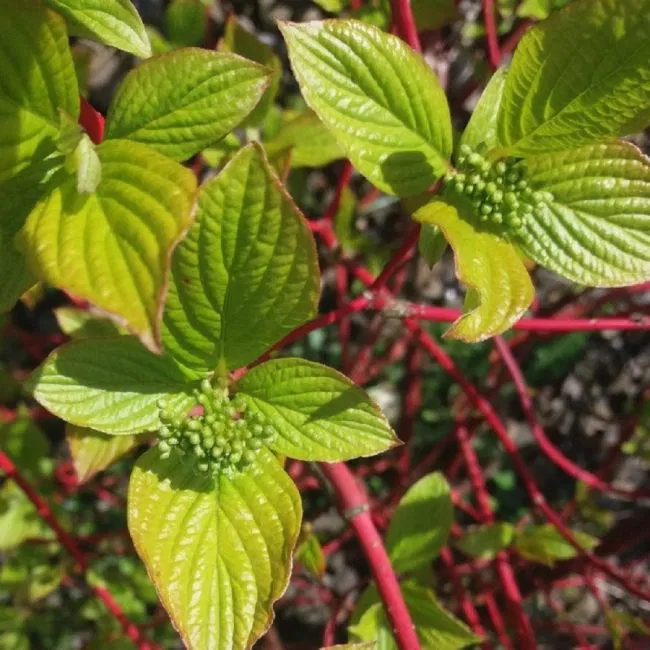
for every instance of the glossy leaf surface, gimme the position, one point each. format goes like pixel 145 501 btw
pixel 112 387
pixel 181 102
pixel 596 230
pixel 113 22
pixel 581 76
pixel 500 289
pixel 245 275
pixel 482 126
pixel 113 247
pixel 37 79
pixel 318 413
pixel 394 127
pixel 240 41
pixel 219 550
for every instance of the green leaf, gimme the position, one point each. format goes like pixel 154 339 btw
pixel 19 196
pixel 159 44
pixel 394 126
pixel 245 275
pixel 27 446
pixel 112 386
pixel 482 127
pixel 84 163
pixel 318 413
pixel 538 9
pixel 581 76
pixel 92 451
pixel 113 247
pixel 309 553
pixel 220 152
pixel 181 102
pixel 545 544
pixel 333 6
pixel 500 289
pixel 436 628
pixel 596 230
pixel 240 41
pixel 16 279
pixel 14 640
pixel 18 518
pixel 83 323
pixel 420 525
pixel 113 22
pixel 434 14
pixel 37 79
pixel 218 550
pixel 378 14
pixel 432 244
pixel 310 141
pixel 186 22
pixel 484 542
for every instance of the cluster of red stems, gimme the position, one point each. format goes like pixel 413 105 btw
pixel 494 607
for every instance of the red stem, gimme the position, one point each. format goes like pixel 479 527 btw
pixel 504 570
pixel 356 510
pixel 464 600
pixel 494 54
pixel 70 544
pixel 404 23
pixel 549 449
pixel 92 121
pixel 556 324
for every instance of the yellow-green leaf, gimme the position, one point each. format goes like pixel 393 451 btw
pixel 113 22
pixel 245 275
pixel 113 247
pixel 238 40
pixel 92 451
pixel 379 99
pixel 219 550
pixel 594 228
pixel 499 287
pixel 181 102
pixel 318 413
pixel 37 79
pixel 579 77
pixel 309 140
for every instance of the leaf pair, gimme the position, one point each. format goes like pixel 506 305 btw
pixel 218 547
pixel 101 222
pixel 582 205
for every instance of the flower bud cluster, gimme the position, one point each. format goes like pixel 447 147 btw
pixel 499 193
pixel 224 437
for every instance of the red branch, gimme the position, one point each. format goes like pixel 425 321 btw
pixel 69 543
pixel 356 510
pixel 503 567
pixel 494 54
pixel 556 324
pixel 549 449
pixel 92 121
pixel 404 23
